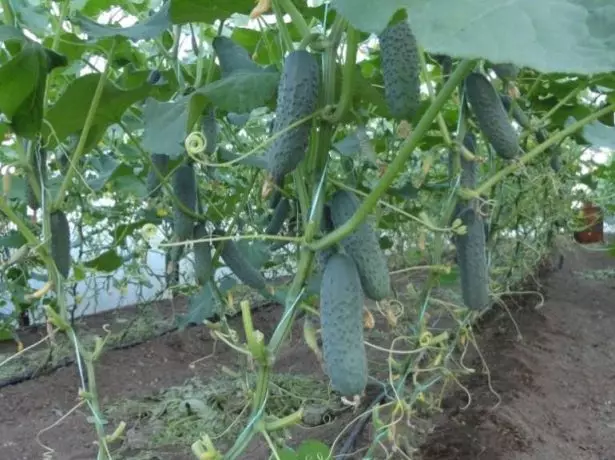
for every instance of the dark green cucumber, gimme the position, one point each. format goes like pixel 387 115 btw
pixel 517 112
pixel 209 126
pixel 241 266
pixel 297 98
pixel 60 242
pixel 160 162
pixel 555 161
pixel 184 188
pixel 362 246
pixel 471 252
pixel 472 260
pixel 280 213
pixel 39 168
pixel 491 116
pixel 341 321
pixel 401 70
pixel 202 255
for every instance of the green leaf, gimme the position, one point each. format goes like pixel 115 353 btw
pixel 11 33
pixel 185 11
pixel 165 126
pixel 311 449
pixel 123 231
pixel 233 57
pixel 69 45
pixel 242 91
pixel 108 261
pixel 256 252
pixel 27 121
pixel 68 114
pixel 151 27
pixel 287 454
pixel 357 142
pixel 33 16
pixel 130 185
pixel 201 306
pixel 572 36
pixel 19 78
pixel 104 167
pixel 599 135
pixel 448 279
pixel 12 239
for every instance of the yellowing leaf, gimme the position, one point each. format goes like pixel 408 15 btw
pixel 368 319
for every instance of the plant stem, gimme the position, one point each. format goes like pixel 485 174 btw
pixel 89 121
pixel 400 160
pixel 297 18
pixel 7 9
pixel 345 102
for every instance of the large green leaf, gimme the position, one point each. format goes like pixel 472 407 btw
pixel 165 126
pixel 242 91
pixel 185 11
pixel 105 167
pixel 599 135
pixel 68 114
pixel 576 36
pixel 150 28
pixel 19 78
pixel 11 33
pixel 233 57
pixel 108 261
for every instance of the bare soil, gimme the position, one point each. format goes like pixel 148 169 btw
pixel 555 384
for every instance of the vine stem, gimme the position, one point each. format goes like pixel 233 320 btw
pixel 89 121
pixel 306 256
pixel 400 160
pixel 9 17
pixel 498 176
pixel 296 16
pixel 352 46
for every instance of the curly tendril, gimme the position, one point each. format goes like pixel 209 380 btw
pixel 195 145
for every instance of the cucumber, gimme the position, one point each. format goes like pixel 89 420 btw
pixel 202 256
pixel 184 188
pixel 280 214
pixel 491 116
pixel 401 70
pixel 209 127
pixel 362 246
pixel 555 161
pixel 160 162
pixel 341 321
pixel 472 261
pixel 297 98
pixel 31 198
pixel 517 112
pixel 241 266
pixel 60 242
pixel 471 252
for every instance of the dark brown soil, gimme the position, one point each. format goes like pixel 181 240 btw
pixel 557 384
